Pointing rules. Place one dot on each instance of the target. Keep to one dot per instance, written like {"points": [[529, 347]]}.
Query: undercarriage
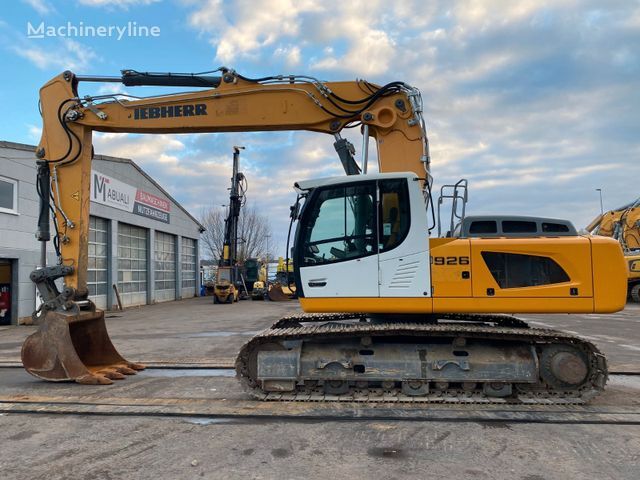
{"points": [[439, 358]]}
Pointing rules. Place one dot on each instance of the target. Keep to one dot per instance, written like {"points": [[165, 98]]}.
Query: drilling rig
{"points": [[229, 281]]}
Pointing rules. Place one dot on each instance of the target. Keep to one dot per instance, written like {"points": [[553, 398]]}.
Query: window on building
{"points": [[165, 261], [132, 258], [97, 271], [188, 263], [8, 195]]}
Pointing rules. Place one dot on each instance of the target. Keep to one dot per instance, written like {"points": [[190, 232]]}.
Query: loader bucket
{"points": [[276, 294], [75, 347]]}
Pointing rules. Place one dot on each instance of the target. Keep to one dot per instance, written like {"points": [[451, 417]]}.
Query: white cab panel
{"points": [[349, 278], [405, 276]]}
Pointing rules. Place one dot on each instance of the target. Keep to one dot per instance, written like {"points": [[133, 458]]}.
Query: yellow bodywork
{"points": [[594, 265]]}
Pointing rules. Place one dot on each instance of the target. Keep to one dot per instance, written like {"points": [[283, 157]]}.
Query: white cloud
{"points": [[41, 6], [147, 149], [35, 132], [111, 89], [240, 29], [290, 54], [71, 55]]}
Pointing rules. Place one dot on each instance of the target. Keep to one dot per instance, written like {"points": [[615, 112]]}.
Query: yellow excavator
{"points": [[623, 224], [391, 314]]}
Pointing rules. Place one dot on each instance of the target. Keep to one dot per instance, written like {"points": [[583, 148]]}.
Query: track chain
{"points": [[495, 319], [326, 326]]}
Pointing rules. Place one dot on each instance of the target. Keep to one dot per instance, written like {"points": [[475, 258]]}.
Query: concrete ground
{"points": [[197, 423]]}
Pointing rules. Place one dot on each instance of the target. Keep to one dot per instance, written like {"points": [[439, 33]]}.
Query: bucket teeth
{"points": [[125, 370], [93, 379], [135, 366], [111, 374]]}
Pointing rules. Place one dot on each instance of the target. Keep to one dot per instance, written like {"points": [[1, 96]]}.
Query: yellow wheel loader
{"points": [[391, 312]]}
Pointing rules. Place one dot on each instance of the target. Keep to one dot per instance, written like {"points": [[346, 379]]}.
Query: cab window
{"points": [[341, 224], [394, 213]]}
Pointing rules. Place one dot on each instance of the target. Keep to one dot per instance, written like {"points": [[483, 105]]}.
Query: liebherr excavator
{"points": [[391, 314]]}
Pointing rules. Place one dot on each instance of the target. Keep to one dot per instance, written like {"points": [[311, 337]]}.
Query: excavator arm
{"points": [[390, 114], [72, 342]]}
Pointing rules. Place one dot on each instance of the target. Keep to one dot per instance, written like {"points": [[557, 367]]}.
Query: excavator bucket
{"points": [[75, 347], [276, 293]]}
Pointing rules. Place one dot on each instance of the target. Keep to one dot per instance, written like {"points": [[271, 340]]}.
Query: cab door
{"points": [[403, 245], [339, 257]]}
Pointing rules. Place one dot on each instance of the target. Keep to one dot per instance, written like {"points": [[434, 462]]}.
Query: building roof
{"points": [[108, 158]]}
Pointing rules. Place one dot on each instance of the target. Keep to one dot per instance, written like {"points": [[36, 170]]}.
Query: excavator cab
{"points": [[362, 237]]}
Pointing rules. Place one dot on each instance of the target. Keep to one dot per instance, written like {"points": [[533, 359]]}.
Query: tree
{"points": [[253, 230]]}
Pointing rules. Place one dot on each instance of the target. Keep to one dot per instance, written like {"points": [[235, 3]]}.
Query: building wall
{"points": [[17, 239], [18, 244]]}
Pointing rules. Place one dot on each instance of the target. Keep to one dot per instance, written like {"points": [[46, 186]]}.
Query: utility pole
{"points": [[599, 190], [267, 259]]}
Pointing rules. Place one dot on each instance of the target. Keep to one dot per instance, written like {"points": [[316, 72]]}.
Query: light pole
{"points": [[599, 190], [268, 255]]}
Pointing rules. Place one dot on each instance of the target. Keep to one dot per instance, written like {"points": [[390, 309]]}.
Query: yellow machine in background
{"points": [[224, 289], [229, 279], [623, 224], [402, 309], [259, 290], [283, 287]]}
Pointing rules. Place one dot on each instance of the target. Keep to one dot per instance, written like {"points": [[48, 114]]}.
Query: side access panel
{"points": [[451, 267], [532, 268]]}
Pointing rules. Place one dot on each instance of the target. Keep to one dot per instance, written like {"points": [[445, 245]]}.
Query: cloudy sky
{"points": [[536, 103]]}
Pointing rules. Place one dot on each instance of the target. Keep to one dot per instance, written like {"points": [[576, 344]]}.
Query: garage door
{"points": [[165, 267], [188, 261], [97, 272], [132, 264]]}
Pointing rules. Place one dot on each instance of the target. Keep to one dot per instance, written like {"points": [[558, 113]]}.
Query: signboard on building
{"points": [[114, 193]]}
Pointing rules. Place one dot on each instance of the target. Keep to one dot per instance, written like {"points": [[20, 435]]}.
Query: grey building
{"points": [[140, 238]]}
